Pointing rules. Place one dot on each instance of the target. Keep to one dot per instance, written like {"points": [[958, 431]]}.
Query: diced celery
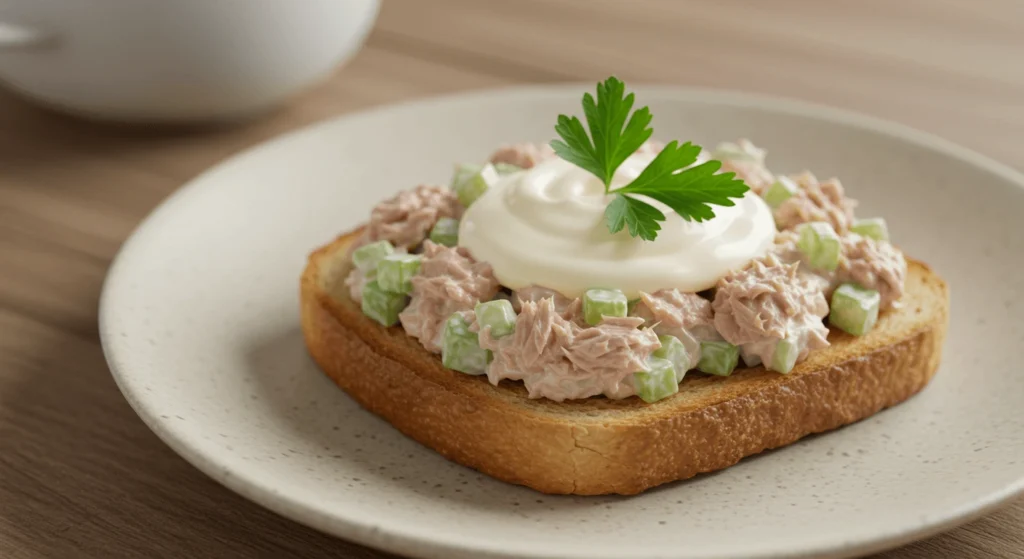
{"points": [[462, 173], [728, 151], [781, 190], [395, 272], [382, 305], [657, 382], [854, 309], [506, 168], [445, 232], [675, 352], [366, 257], [471, 181], [784, 357], [599, 303], [873, 227], [460, 348], [499, 315], [820, 244], [718, 358]]}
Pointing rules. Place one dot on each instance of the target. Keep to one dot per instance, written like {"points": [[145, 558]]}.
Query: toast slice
{"points": [[600, 446]]}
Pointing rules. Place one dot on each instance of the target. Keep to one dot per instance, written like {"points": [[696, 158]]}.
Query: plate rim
{"points": [[420, 545]]}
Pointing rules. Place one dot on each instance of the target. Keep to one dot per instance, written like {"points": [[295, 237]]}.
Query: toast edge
{"points": [[590, 458]]}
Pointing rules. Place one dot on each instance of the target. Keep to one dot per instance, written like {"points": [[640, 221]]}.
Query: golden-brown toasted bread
{"points": [[597, 446]]}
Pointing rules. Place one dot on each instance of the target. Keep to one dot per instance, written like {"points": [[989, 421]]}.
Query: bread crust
{"points": [[600, 446]]}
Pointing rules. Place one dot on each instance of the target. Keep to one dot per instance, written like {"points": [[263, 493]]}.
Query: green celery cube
{"points": [[820, 244], [470, 182], [395, 272], [675, 352], [460, 348], [506, 168], [498, 315], [728, 151], [874, 228], [599, 303], [366, 257], [445, 232], [382, 305], [462, 173], [718, 358], [854, 309], [781, 190], [657, 382], [784, 357]]}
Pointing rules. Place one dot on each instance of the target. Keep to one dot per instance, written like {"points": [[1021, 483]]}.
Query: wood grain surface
{"points": [[81, 476]]}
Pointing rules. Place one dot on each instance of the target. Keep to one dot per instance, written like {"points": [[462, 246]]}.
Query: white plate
{"points": [[199, 321]]}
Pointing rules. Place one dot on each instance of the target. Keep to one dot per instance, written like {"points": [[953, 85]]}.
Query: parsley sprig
{"points": [[671, 178]]}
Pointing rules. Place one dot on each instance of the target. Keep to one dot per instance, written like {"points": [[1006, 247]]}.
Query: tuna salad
{"points": [[821, 266], [608, 264]]}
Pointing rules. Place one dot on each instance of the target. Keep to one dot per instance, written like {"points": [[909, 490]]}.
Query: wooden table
{"points": [[81, 476]]}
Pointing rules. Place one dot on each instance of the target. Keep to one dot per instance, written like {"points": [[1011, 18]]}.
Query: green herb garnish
{"points": [[615, 134]]}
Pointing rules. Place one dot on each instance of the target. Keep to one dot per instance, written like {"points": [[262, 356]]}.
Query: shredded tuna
{"points": [[558, 359], [767, 302], [406, 218], [535, 349], [522, 155], [449, 281], [569, 309], [760, 300], [615, 347], [672, 308], [816, 201], [873, 265], [534, 293], [687, 316]]}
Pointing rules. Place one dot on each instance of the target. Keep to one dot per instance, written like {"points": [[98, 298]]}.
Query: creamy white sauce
{"points": [[545, 226]]}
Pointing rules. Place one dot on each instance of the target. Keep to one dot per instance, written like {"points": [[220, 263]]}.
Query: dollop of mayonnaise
{"points": [[545, 226]]}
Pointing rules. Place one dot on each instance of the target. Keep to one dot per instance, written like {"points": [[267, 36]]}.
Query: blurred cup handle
{"points": [[23, 37]]}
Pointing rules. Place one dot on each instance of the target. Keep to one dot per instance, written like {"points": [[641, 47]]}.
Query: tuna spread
{"points": [[871, 263], [513, 275], [559, 360], [766, 303], [405, 219], [687, 316], [449, 280], [815, 201]]}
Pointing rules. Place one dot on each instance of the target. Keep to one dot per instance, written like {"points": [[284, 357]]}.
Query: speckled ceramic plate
{"points": [[200, 324]]}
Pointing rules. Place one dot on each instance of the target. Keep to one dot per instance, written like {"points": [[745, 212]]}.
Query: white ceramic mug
{"points": [[176, 59]]}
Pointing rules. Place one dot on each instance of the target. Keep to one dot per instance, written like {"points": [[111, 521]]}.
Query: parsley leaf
{"points": [[640, 217], [689, 191], [612, 138], [671, 178]]}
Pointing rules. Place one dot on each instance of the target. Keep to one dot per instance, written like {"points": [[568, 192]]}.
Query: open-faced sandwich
{"points": [[609, 313]]}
